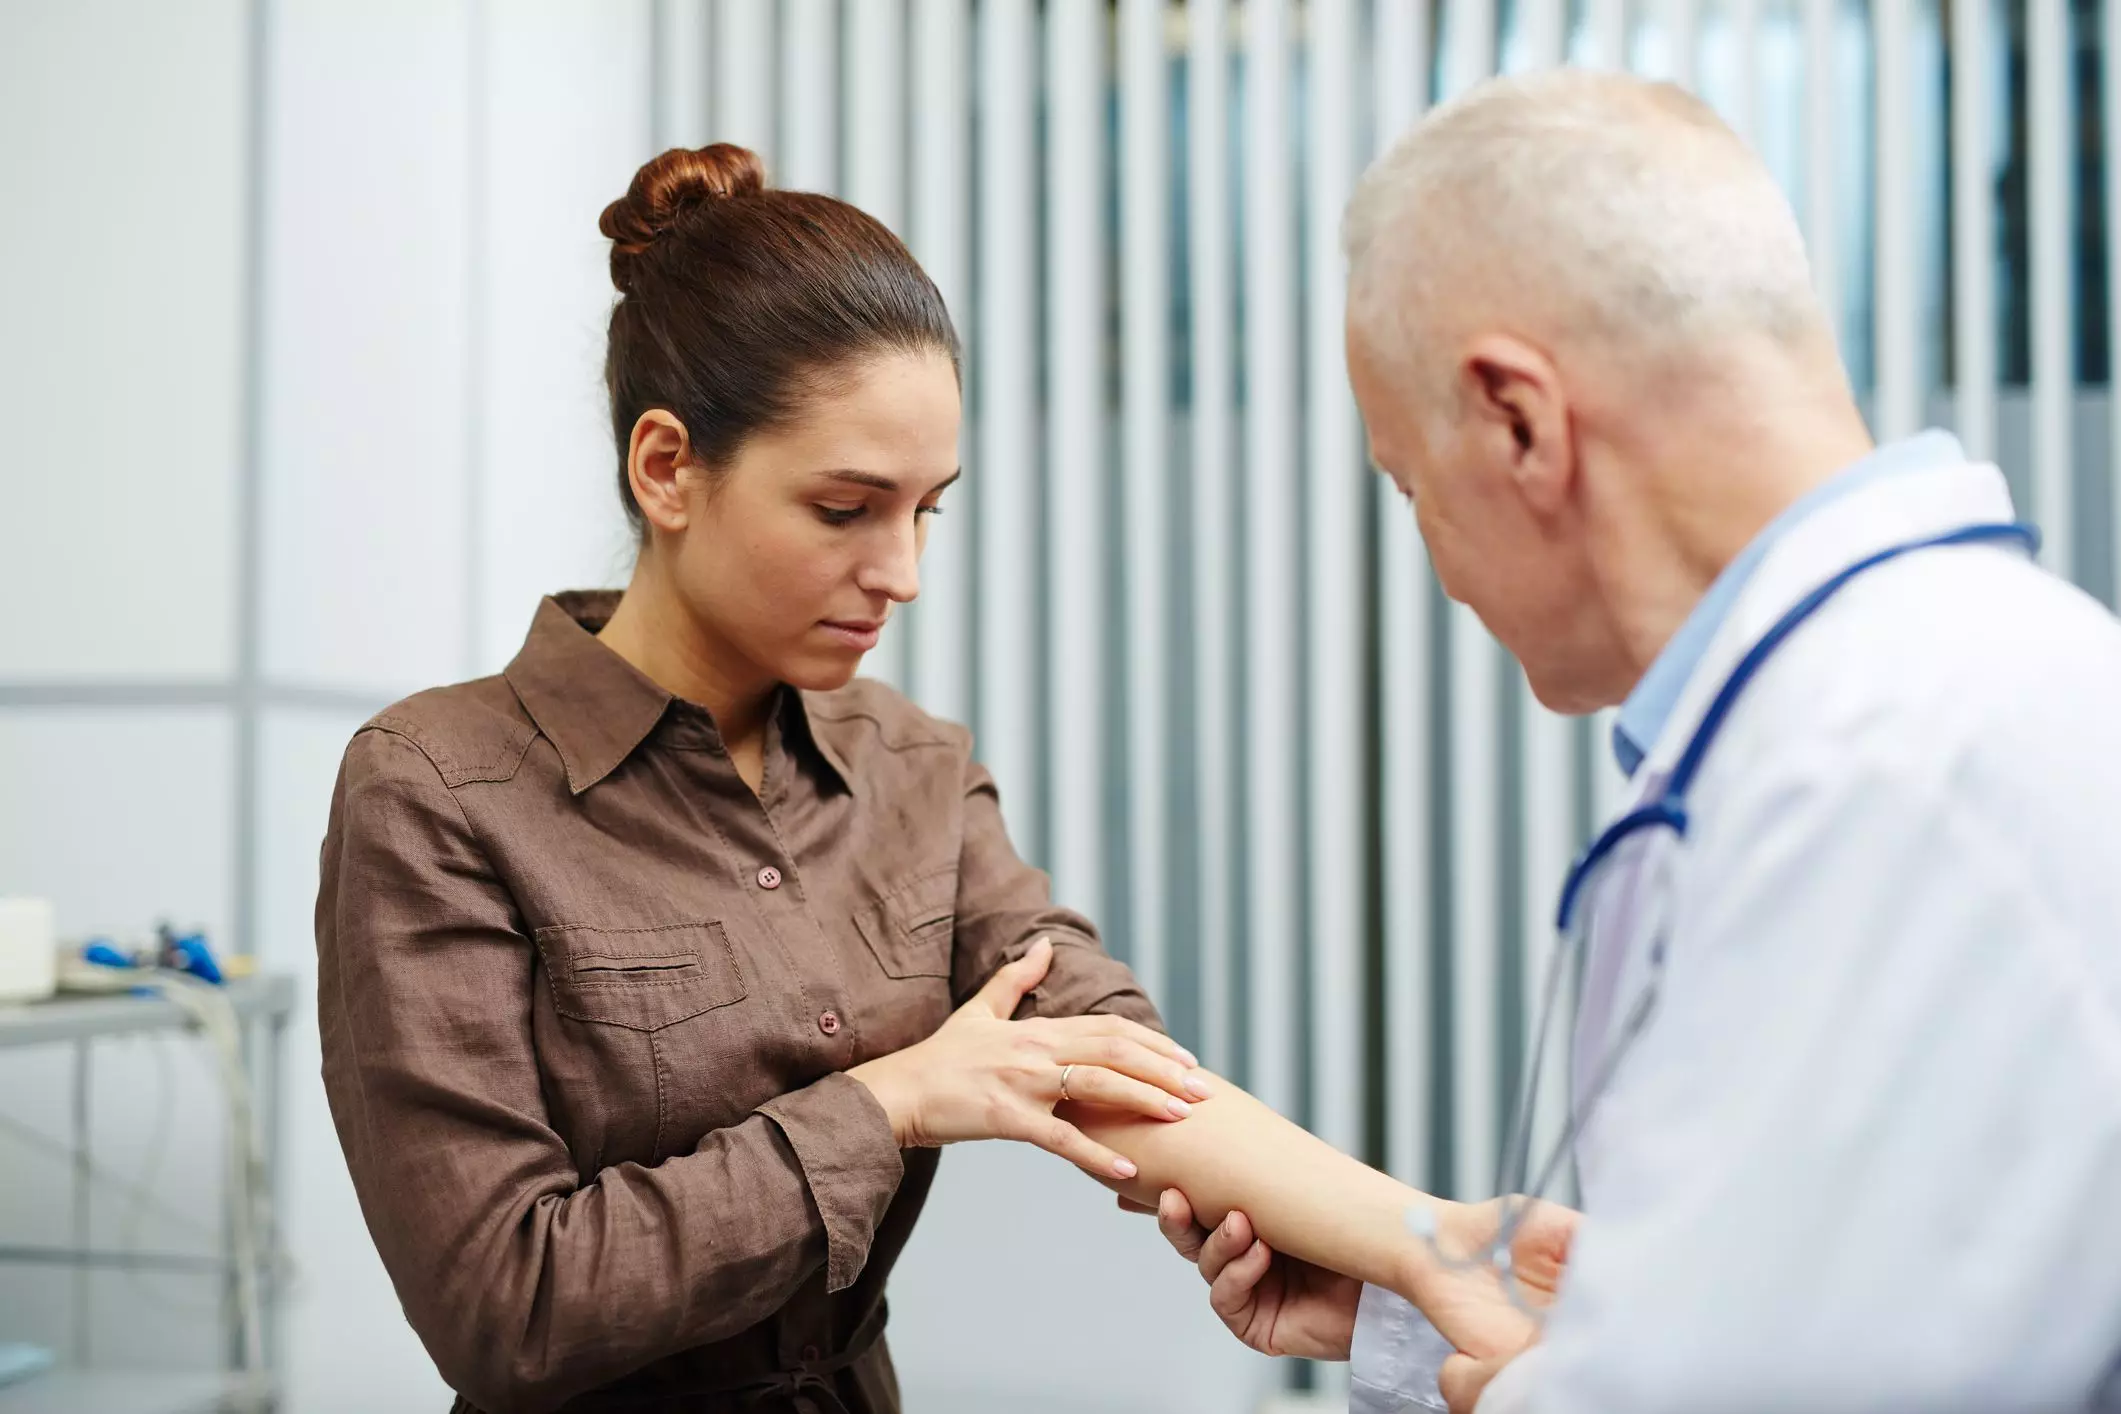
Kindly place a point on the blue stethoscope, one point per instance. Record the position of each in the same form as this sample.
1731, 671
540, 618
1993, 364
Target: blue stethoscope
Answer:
1667, 812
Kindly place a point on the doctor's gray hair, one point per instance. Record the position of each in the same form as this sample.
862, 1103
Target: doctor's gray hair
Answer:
1599, 205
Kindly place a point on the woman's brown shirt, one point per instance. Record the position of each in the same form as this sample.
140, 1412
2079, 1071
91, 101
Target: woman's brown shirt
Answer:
586, 1001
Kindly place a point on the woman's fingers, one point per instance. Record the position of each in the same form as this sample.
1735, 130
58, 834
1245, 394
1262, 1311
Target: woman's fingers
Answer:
1134, 1031
1128, 1205
1062, 1139
1126, 1056
1094, 1085
1062, 1031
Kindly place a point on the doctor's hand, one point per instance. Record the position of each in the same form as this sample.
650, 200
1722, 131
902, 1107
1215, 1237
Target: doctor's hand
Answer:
1469, 1304
1275, 1304
985, 1076
1463, 1379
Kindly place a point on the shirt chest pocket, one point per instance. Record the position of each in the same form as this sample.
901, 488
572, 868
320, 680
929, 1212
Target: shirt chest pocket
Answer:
912, 928
641, 978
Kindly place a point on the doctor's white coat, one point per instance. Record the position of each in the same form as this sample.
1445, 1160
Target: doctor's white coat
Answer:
1867, 1154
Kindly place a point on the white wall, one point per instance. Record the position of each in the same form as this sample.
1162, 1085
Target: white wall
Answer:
367, 353
120, 336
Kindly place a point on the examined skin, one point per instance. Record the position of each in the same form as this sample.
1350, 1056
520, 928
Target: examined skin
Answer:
1307, 1200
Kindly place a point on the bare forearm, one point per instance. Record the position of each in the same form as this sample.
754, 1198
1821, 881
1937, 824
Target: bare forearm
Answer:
1304, 1197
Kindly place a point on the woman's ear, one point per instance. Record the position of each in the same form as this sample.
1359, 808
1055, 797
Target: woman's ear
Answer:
659, 469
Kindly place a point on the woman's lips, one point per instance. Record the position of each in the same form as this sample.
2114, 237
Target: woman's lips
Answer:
859, 636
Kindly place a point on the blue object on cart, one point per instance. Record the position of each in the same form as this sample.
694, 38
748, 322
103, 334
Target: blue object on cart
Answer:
188, 952
101, 953
19, 1362
173, 951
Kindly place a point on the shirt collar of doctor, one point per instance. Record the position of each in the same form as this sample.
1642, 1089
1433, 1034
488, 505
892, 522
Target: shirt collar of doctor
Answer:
596, 708
1644, 714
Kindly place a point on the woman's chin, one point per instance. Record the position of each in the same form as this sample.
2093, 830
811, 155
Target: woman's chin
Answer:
821, 672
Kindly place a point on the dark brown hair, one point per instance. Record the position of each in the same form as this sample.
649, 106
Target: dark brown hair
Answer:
738, 304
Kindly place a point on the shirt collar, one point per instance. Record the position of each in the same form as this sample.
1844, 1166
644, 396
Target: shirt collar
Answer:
596, 708
1649, 707
799, 729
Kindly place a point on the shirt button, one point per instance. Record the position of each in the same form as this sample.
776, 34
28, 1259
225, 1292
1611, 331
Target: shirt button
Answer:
769, 877
829, 1023
811, 1354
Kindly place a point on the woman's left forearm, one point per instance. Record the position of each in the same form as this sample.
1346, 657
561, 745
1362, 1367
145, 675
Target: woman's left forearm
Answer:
1304, 1197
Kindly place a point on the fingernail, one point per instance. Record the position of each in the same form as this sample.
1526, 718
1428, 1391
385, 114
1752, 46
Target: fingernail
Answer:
1125, 1168
1178, 1107
1199, 1088
1188, 1057
1230, 1225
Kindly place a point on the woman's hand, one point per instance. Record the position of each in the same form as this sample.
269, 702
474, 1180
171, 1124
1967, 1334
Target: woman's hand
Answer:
983, 1076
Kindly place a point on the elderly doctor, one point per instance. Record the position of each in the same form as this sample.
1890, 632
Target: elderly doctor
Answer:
1848, 1049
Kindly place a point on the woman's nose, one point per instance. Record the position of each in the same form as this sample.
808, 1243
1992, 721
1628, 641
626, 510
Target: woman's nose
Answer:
895, 571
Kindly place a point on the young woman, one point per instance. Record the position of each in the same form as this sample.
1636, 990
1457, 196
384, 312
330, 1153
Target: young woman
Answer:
650, 969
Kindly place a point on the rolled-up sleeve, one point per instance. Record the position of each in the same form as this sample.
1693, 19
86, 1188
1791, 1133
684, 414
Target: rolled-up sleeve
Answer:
1004, 906
527, 1284
851, 1164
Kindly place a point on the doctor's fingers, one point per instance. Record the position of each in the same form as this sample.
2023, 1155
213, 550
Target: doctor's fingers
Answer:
1231, 1243
1235, 1289
1174, 1219
1463, 1379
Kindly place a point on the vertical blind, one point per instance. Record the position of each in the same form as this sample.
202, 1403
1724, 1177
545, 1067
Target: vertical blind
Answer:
1196, 637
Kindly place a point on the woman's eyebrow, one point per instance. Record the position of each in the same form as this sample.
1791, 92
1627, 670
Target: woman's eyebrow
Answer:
878, 482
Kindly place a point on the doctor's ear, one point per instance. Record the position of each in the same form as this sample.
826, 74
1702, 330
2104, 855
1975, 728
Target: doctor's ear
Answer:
1515, 397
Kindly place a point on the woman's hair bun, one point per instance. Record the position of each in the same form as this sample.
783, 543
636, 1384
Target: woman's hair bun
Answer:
664, 189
